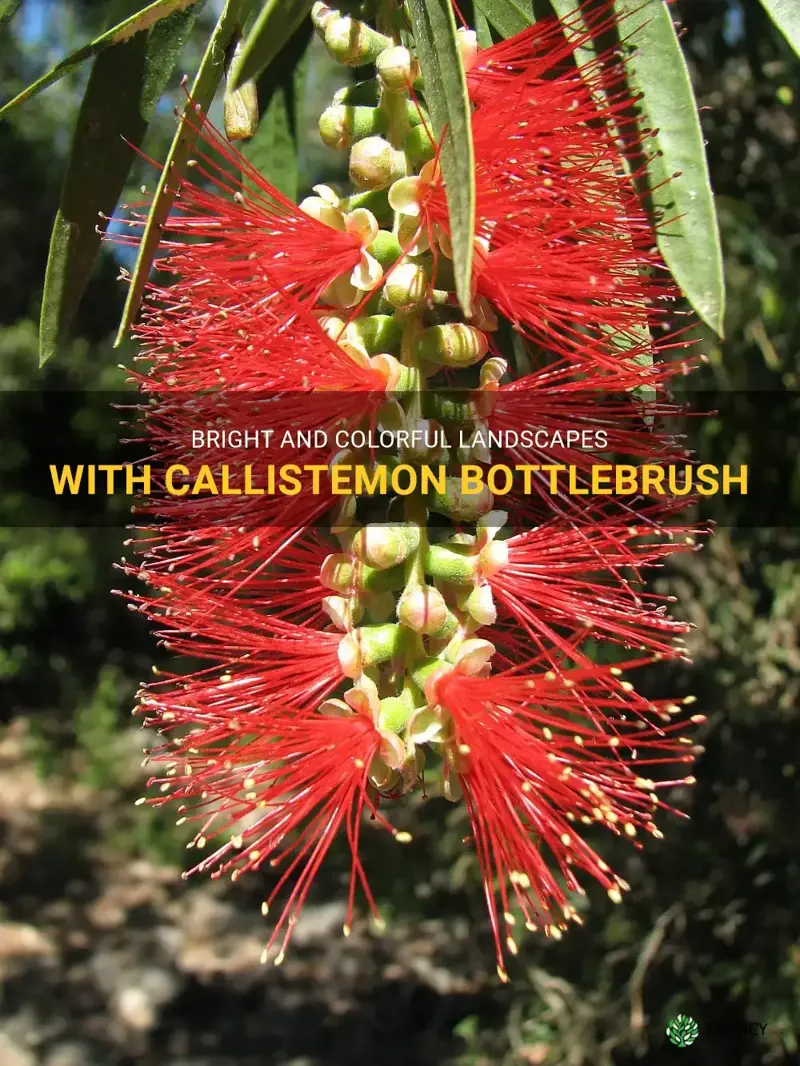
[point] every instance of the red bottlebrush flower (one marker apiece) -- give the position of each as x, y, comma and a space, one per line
559, 579
279, 788
537, 755
564, 248
246, 251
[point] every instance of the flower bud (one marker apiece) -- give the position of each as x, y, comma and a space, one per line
453, 344
385, 546
406, 287
385, 248
374, 163
445, 564
337, 572
492, 370
423, 609
368, 646
341, 125
352, 42
397, 69
394, 713
459, 505
376, 333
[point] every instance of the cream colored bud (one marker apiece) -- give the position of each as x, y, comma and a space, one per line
406, 287
397, 68
423, 609
374, 163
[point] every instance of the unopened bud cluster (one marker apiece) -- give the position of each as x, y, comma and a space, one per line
409, 597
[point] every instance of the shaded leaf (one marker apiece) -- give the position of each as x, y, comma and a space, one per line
446, 96
201, 95
272, 151
507, 16
483, 31
690, 244
123, 31
273, 27
786, 16
124, 87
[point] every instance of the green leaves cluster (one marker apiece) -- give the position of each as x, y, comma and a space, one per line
134, 60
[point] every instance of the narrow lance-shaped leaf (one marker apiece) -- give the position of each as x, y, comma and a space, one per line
508, 16
8, 9
123, 90
123, 31
446, 96
273, 27
677, 171
200, 97
786, 16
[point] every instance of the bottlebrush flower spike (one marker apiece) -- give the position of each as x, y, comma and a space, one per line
279, 789
415, 627
536, 755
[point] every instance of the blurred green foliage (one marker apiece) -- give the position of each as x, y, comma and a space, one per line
711, 927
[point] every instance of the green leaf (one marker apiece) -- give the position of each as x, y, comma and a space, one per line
8, 9
123, 31
508, 16
786, 16
483, 31
274, 26
272, 151
690, 244
201, 95
124, 87
446, 96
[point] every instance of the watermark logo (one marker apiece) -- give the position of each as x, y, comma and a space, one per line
682, 1030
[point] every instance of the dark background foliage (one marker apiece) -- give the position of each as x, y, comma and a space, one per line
107, 958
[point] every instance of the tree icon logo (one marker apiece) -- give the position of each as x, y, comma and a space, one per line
682, 1030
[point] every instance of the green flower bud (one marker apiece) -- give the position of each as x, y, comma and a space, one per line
453, 344
374, 163
375, 200
460, 505
352, 42
449, 407
395, 712
418, 146
385, 546
376, 333
386, 249
337, 572
341, 125
406, 287
397, 69
447, 564
369, 646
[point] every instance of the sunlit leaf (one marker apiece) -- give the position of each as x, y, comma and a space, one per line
8, 9
446, 96
273, 27
677, 171
124, 87
786, 16
123, 31
202, 93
